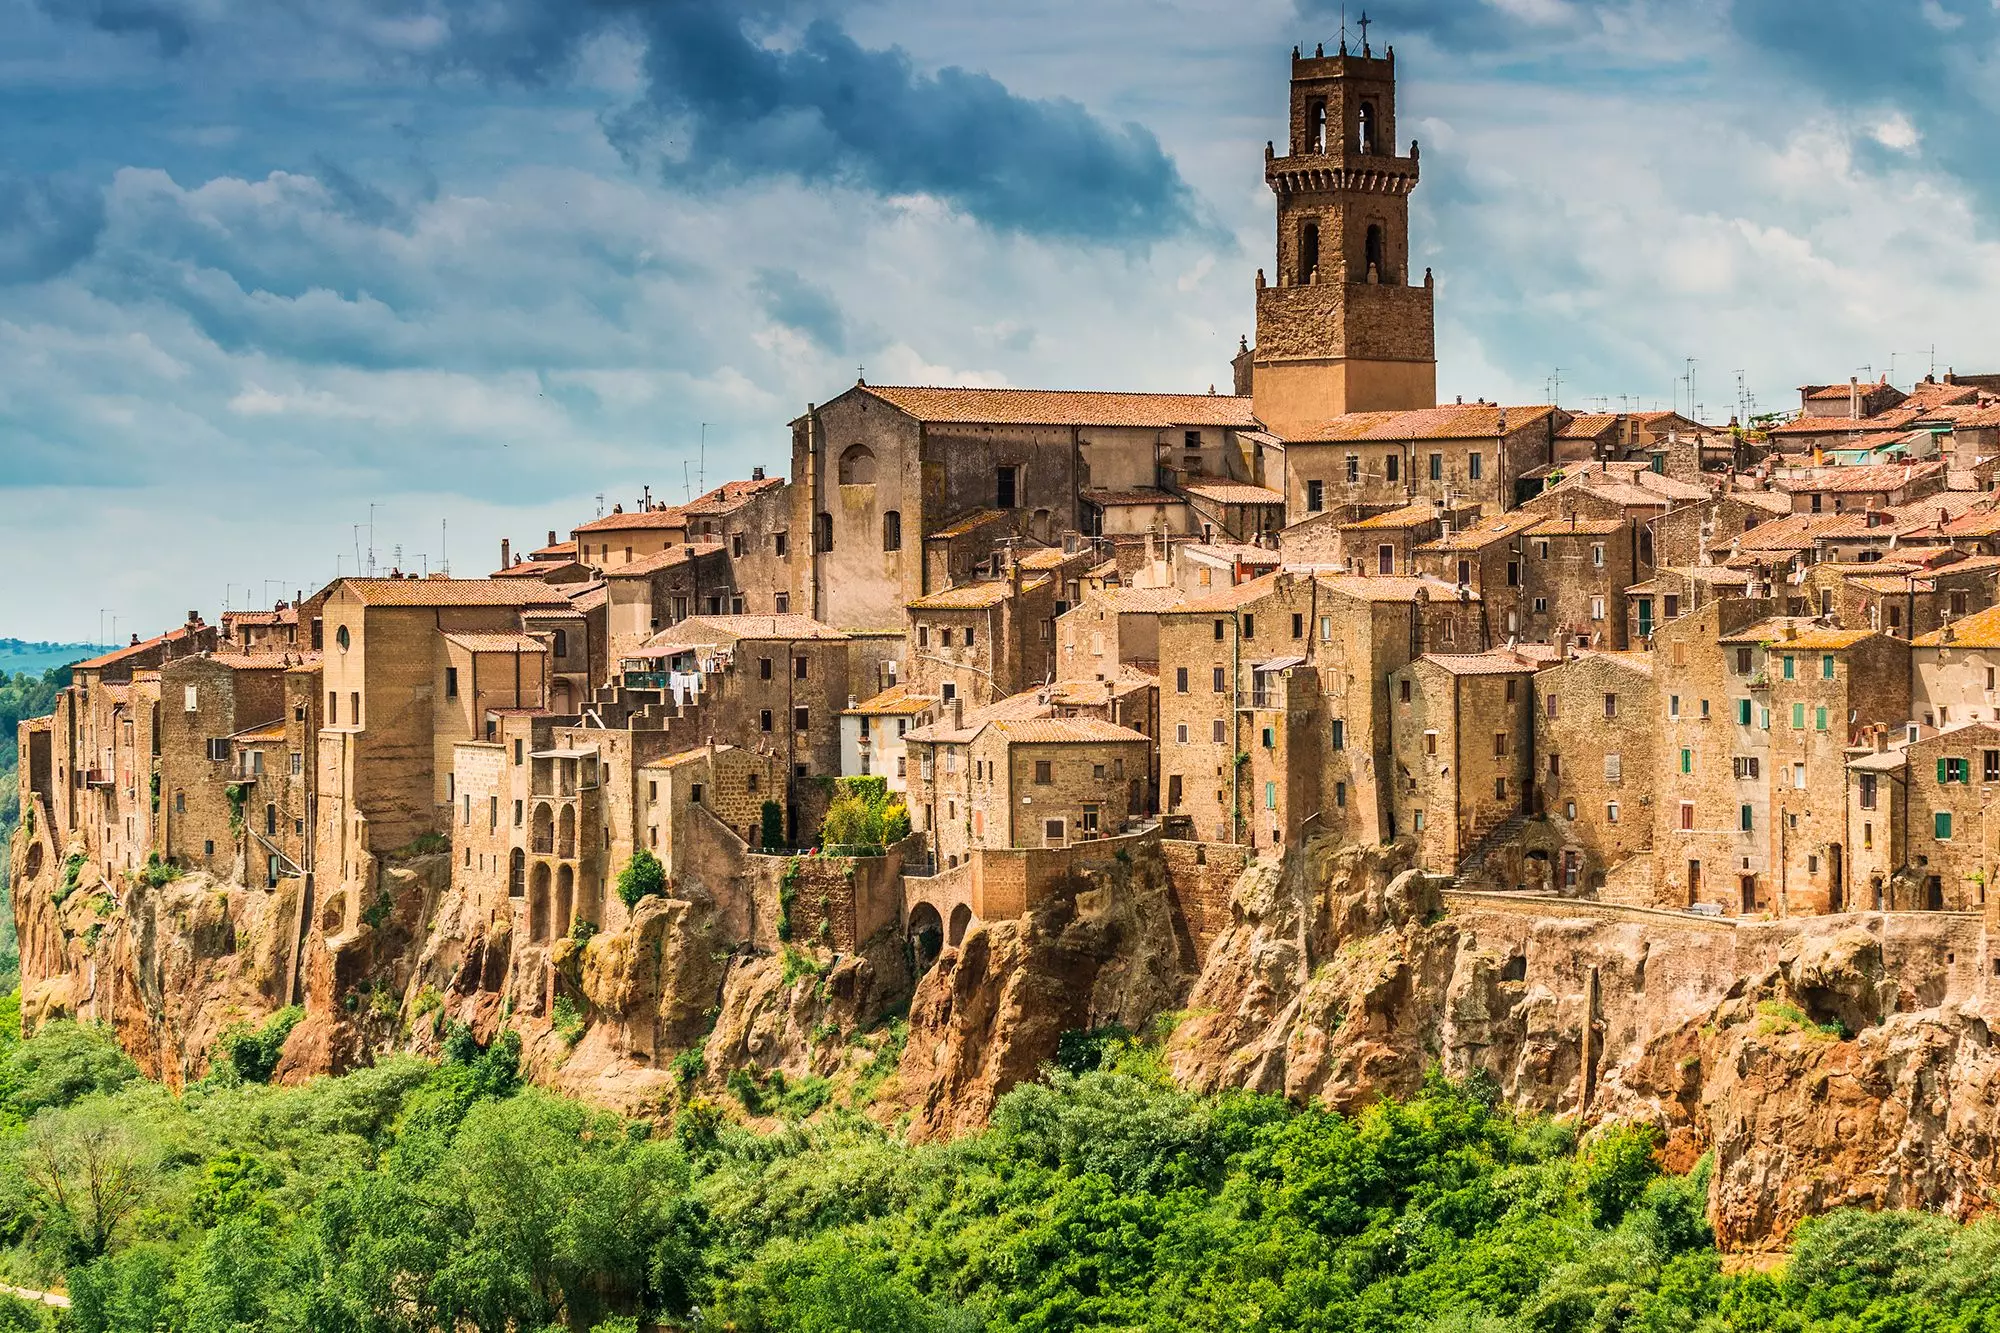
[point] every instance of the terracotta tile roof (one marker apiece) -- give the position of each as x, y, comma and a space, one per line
452, 592
1126, 601
974, 596
1807, 635
556, 551
263, 734
265, 619
704, 631
537, 569
1981, 629
588, 596
1478, 536
1588, 426
896, 701
1856, 480
968, 523
497, 643
1233, 493
677, 554
1228, 599
1066, 407
1454, 422
116, 655
1894, 420
1826, 393
1798, 532
273, 661
1409, 516
1928, 396
636, 520
729, 496
1479, 664
1234, 553
1065, 731
1635, 660
1052, 557
1972, 418
1127, 499
1977, 523
1395, 588
1769, 500
1581, 527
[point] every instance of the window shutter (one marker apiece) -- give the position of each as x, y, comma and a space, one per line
1943, 769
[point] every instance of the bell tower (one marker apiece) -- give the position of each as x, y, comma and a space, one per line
1341, 328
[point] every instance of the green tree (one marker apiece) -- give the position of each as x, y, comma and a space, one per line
642, 877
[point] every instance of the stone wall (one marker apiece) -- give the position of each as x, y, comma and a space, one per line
1203, 877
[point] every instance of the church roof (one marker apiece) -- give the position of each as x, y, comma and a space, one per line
1457, 421
1065, 407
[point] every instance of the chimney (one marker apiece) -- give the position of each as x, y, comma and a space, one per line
957, 713
552, 536
756, 474
1853, 398
1880, 737
645, 497
135, 638
506, 553
1014, 571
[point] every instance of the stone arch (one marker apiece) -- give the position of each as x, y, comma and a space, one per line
857, 466
542, 829
565, 898
1364, 136
566, 832
892, 530
926, 935
517, 874
538, 903
961, 921
1308, 251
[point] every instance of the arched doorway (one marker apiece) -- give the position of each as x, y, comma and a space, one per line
926, 935
538, 903
565, 898
566, 832
517, 873
542, 830
961, 921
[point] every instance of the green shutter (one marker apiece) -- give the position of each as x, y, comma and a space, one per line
1941, 824
1798, 717
1788, 668
1742, 712
1687, 761
1826, 666
1819, 719
1944, 769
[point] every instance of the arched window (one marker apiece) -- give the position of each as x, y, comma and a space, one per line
517, 874
1317, 127
857, 466
1366, 137
892, 530
1376, 259
823, 532
1308, 251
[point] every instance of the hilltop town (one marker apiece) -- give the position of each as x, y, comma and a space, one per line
1515, 665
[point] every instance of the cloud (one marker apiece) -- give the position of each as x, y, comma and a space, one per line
46, 225
734, 91
802, 306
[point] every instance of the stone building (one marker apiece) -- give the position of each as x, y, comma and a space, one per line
1345, 326
1950, 780
985, 640
1112, 628
1462, 737
231, 785
1453, 455
872, 731
1594, 770
619, 538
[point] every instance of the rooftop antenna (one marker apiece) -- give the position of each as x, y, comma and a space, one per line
1343, 30
600, 504
444, 558
687, 487
701, 470
1555, 382
359, 568
371, 539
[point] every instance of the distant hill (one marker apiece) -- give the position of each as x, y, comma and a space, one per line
36, 657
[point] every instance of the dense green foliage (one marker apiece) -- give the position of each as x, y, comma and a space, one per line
414, 1197
864, 815
642, 877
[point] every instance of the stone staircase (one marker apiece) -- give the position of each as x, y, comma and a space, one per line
1471, 872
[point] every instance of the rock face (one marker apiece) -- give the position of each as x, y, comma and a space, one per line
1822, 1061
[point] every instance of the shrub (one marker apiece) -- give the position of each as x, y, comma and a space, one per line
642, 877
688, 1067
157, 872
864, 814
771, 830
788, 892
581, 932
567, 1020
253, 1052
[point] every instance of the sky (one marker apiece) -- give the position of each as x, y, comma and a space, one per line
274, 270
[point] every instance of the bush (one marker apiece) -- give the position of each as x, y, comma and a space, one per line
567, 1020
157, 872
771, 825
864, 814
252, 1053
642, 877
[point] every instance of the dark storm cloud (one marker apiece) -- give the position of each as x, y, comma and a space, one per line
803, 306
46, 225
738, 91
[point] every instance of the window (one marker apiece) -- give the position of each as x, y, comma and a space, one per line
1475, 467
892, 530
1687, 760
517, 814
764, 720
1798, 717
799, 663
1742, 712
1405, 691
1549, 703
823, 531
694, 793
1826, 666
1392, 466
451, 682
1819, 719
1315, 497
1952, 769
1003, 488
1990, 766
1499, 745
1180, 680
1555, 764
1464, 573
1173, 791
800, 719
1745, 818
1340, 795
1218, 678
949, 691
1430, 742
1249, 626
1611, 812
1218, 631
1216, 732
1270, 738
1298, 625
354, 707
1790, 667
1326, 629
1339, 734
782, 603
189, 700
1798, 781
493, 812
1597, 608
340, 637
1614, 768
1353, 468
1597, 555
298, 764
1044, 773
763, 668
1499, 789
1941, 826
1673, 705
1541, 605
1868, 781
1687, 816
736, 545
1742, 661
1270, 796
781, 543
1385, 559
1746, 765
1611, 705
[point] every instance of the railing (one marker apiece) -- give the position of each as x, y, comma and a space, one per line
646, 680
1260, 699
542, 844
